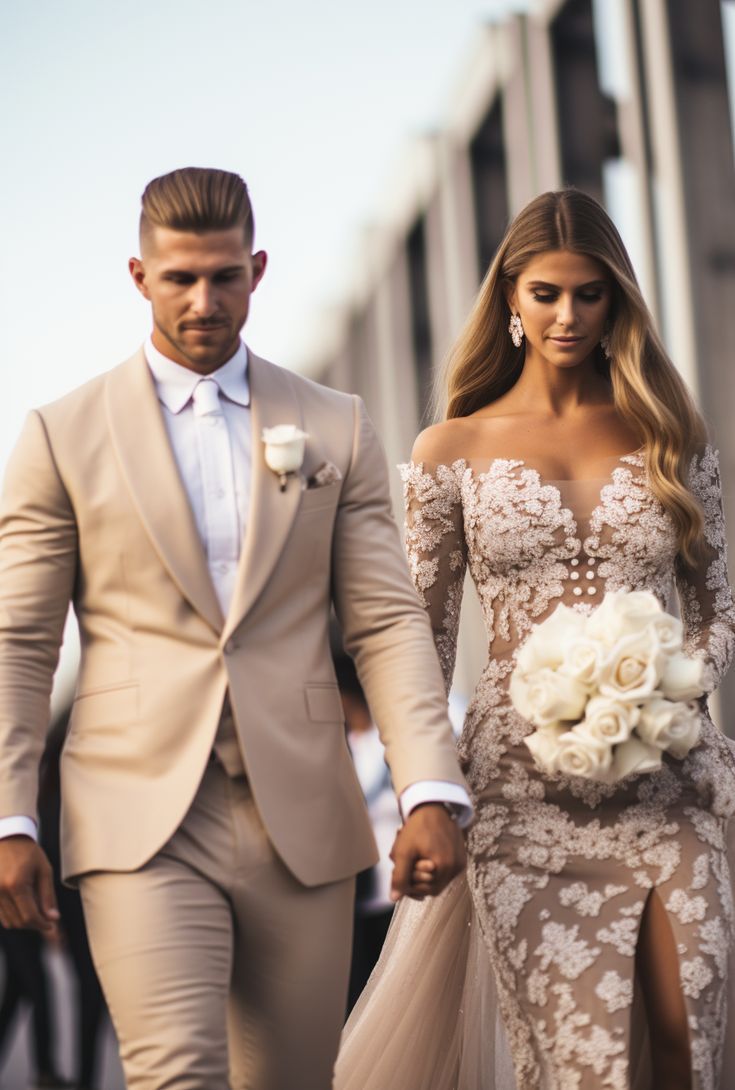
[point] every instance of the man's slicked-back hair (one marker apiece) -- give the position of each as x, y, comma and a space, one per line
197, 199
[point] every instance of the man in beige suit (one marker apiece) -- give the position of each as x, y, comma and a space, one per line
211, 815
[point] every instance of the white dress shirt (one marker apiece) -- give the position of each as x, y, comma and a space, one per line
209, 468
216, 477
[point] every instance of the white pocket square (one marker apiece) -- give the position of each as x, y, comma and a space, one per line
326, 474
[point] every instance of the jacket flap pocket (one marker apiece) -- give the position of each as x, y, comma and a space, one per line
324, 703
107, 706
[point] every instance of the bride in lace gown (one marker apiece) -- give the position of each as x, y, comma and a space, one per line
589, 945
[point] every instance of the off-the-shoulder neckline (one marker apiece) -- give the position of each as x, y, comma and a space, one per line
634, 457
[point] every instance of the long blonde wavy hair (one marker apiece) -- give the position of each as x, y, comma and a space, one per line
647, 390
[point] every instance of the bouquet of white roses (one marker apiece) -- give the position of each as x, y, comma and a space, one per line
608, 691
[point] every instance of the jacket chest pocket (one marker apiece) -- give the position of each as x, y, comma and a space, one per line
314, 500
310, 541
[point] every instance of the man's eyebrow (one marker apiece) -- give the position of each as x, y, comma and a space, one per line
174, 271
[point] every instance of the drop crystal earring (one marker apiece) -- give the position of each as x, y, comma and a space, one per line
515, 328
605, 344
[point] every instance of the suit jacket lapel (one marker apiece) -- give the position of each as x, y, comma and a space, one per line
272, 512
149, 467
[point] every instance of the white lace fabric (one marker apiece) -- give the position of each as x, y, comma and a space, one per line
560, 868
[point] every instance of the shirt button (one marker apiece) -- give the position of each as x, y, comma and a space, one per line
219, 493
223, 568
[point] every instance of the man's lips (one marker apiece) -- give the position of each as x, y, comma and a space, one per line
203, 328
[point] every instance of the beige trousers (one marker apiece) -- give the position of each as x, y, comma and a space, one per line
220, 969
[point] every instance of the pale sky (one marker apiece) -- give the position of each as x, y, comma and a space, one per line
311, 103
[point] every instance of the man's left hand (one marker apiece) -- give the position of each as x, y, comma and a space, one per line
428, 852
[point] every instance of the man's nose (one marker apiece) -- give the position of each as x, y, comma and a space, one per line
203, 299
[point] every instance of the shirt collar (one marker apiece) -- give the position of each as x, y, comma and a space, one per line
175, 384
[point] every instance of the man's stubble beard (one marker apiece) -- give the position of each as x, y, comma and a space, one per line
211, 360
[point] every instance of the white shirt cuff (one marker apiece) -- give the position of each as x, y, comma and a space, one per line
18, 826
438, 791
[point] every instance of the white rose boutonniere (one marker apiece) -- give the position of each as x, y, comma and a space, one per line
609, 692
284, 450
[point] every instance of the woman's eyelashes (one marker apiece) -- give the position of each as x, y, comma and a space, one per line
551, 297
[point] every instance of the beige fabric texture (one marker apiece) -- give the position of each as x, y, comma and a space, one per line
215, 934
94, 511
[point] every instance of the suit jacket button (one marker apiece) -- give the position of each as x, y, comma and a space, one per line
230, 646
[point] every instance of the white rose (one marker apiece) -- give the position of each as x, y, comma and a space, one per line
582, 660
622, 613
669, 632
673, 726
582, 755
544, 746
634, 756
609, 721
546, 696
683, 678
284, 448
545, 646
633, 667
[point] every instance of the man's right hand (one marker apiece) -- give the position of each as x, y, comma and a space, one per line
427, 853
27, 897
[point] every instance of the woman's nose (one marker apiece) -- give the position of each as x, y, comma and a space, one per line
565, 312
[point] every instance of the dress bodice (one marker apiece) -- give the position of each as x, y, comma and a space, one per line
560, 867
531, 543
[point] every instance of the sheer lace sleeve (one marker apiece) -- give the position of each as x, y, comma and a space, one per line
705, 596
437, 552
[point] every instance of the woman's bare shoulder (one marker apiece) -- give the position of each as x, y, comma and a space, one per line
444, 443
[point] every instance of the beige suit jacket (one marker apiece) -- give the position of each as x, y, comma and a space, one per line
94, 511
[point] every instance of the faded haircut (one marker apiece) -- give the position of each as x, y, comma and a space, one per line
197, 199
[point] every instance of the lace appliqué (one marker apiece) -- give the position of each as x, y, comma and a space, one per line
560, 869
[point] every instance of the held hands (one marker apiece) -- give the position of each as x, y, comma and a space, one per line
27, 897
428, 852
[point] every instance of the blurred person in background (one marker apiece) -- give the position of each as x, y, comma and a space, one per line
26, 984
90, 1009
373, 904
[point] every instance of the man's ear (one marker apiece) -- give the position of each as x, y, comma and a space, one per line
137, 271
260, 260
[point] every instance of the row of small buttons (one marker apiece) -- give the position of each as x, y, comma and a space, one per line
575, 576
